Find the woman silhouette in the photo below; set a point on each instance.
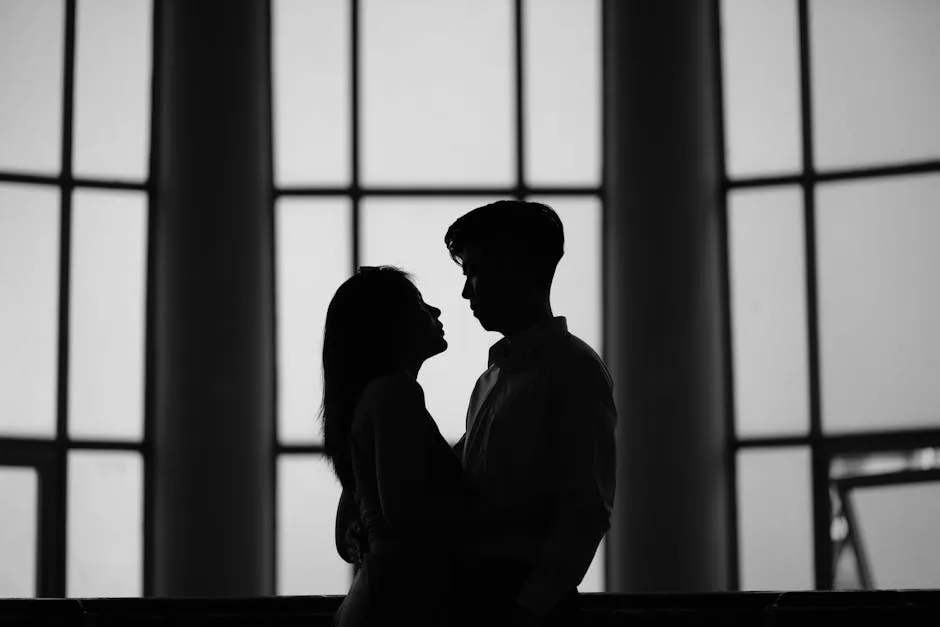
(387, 451)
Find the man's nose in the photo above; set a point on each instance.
(467, 289)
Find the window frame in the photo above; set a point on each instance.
(823, 447)
(356, 191)
(50, 456)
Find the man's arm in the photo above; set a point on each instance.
(584, 417)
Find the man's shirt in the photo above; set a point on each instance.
(539, 449)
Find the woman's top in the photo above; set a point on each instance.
(409, 482)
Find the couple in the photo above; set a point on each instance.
(500, 529)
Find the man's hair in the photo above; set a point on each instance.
(529, 233)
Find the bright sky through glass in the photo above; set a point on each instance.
(879, 303)
(768, 306)
(31, 54)
(29, 291)
(775, 528)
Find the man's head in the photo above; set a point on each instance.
(508, 251)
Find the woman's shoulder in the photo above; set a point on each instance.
(398, 384)
(393, 390)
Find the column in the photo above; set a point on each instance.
(664, 281)
(213, 290)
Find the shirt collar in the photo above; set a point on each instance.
(511, 349)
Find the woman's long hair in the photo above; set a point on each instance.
(365, 336)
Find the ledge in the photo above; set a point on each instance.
(895, 607)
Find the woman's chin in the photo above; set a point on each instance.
(440, 347)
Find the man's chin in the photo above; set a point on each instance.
(483, 321)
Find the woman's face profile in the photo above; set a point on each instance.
(426, 333)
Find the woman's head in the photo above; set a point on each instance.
(377, 323)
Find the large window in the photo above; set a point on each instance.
(392, 119)
(833, 174)
(74, 166)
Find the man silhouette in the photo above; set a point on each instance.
(538, 450)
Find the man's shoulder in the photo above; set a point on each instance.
(569, 350)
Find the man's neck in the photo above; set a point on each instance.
(527, 322)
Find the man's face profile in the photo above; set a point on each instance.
(489, 285)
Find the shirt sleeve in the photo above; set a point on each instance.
(584, 418)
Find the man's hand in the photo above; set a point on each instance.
(351, 539)
(355, 542)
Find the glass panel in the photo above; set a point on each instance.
(875, 83)
(879, 302)
(562, 80)
(105, 524)
(898, 530)
(849, 573)
(594, 578)
(768, 301)
(31, 39)
(576, 290)
(112, 88)
(776, 552)
(314, 242)
(19, 509)
(311, 73)
(409, 233)
(307, 495)
(29, 273)
(437, 92)
(106, 358)
(760, 66)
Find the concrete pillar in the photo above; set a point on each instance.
(664, 278)
(213, 382)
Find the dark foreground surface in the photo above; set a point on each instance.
(888, 607)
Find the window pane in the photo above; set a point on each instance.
(437, 92)
(898, 530)
(31, 35)
(106, 358)
(307, 495)
(768, 300)
(112, 88)
(848, 575)
(776, 551)
(311, 68)
(105, 524)
(19, 490)
(576, 290)
(879, 303)
(875, 82)
(314, 241)
(29, 273)
(409, 233)
(760, 62)
(594, 580)
(562, 79)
